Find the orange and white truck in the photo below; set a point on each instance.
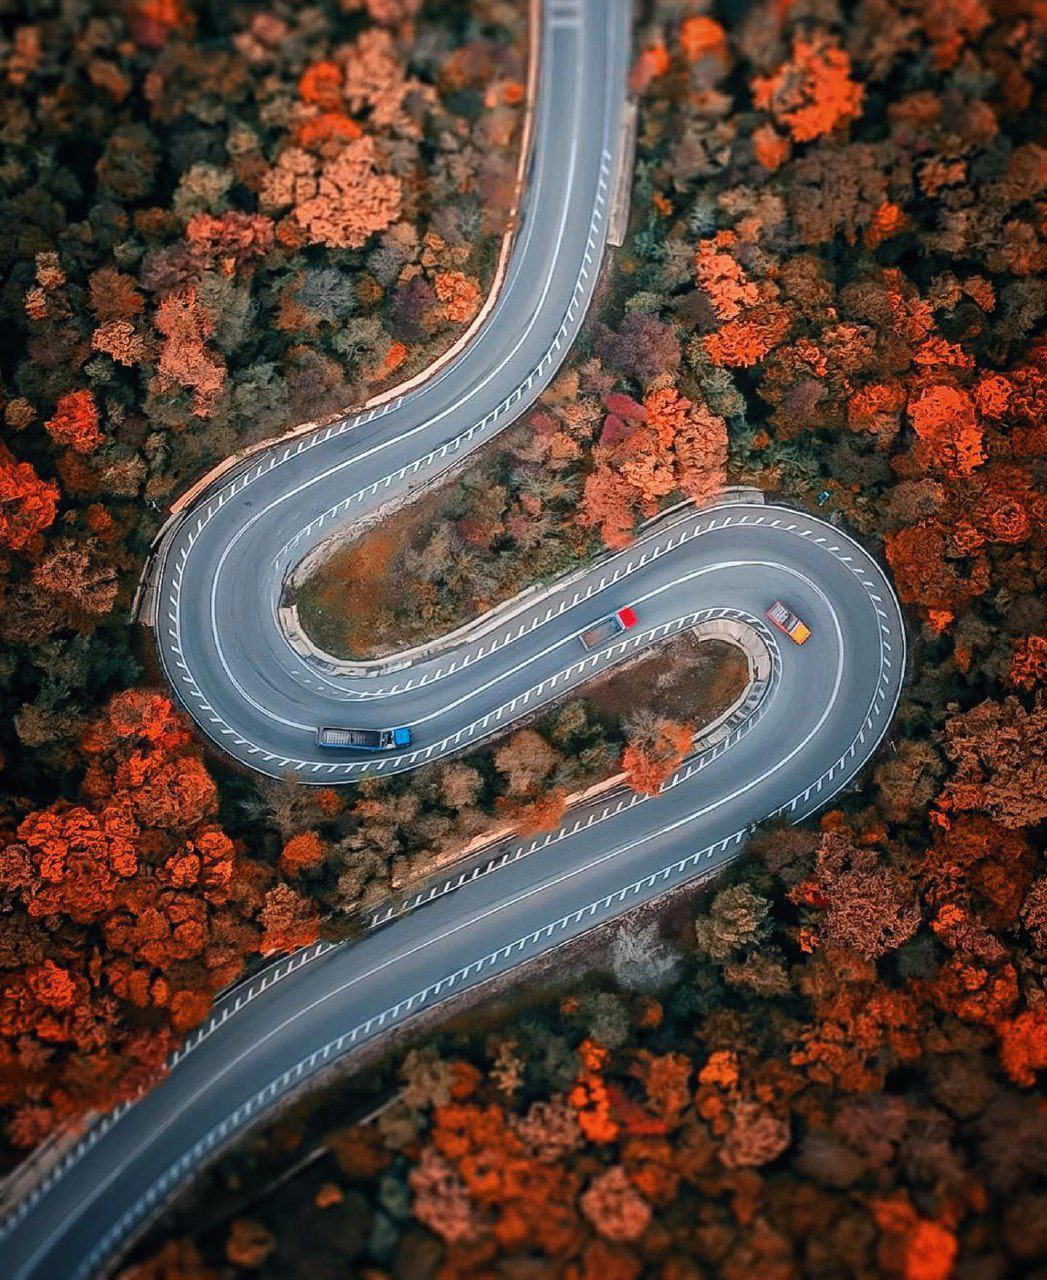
(785, 620)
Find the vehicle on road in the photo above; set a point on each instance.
(363, 739)
(612, 625)
(785, 620)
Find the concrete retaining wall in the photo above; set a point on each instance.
(618, 225)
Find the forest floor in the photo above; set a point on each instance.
(688, 680)
(352, 606)
(438, 562)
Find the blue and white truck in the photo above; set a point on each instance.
(363, 739)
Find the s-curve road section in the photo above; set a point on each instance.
(811, 721)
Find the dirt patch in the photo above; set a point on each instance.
(451, 554)
(353, 606)
(687, 680)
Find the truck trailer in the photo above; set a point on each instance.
(608, 627)
(363, 739)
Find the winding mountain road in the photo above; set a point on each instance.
(803, 733)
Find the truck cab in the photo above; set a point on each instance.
(787, 621)
(340, 738)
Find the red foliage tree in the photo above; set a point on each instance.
(860, 1029)
(75, 422)
(28, 505)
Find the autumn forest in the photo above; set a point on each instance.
(220, 221)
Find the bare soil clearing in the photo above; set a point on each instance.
(688, 680)
(353, 605)
(441, 561)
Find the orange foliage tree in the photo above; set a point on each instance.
(301, 853)
(1023, 1046)
(700, 36)
(350, 200)
(654, 754)
(614, 1207)
(590, 1096)
(459, 295)
(1029, 663)
(950, 439)
(679, 446)
(184, 359)
(543, 813)
(999, 751)
(813, 93)
(230, 241)
(120, 341)
(653, 62)
(288, 921)
(925, 572)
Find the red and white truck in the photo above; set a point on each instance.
(614, 624)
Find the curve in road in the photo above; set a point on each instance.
(818, 719)
(220, 579)
(822, 715)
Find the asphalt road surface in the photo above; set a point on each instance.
(807, 733)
